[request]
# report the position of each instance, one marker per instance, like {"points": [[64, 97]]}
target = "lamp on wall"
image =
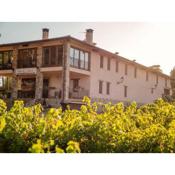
{"points": [[121, 80]]}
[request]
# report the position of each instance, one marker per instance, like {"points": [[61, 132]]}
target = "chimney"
{"points": [[89, 36], [45, 33]]}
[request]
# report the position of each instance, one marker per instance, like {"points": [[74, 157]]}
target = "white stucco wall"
{"points": [[85, 83], [139, 89]]}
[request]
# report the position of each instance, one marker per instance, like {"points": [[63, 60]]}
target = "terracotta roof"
{"points": [[122, 58], [35, 41], [68, 37]]}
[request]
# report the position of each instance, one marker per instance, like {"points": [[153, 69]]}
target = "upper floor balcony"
{"points": [[52, 56], [6, 60], [79, 59], [27, 58], [51, 59], [7, 66]]}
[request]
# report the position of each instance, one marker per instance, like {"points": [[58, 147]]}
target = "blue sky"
{"points": [[147, 43]]}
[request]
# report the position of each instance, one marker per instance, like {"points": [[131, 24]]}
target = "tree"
{"points": [[156, 68], [172, 80]]}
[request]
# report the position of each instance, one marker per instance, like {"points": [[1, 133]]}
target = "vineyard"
{"points": [[117, 129]]}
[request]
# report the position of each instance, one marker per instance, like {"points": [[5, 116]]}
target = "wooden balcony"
{"points": [[6, 66]]}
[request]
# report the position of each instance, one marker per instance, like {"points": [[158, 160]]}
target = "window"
{"points": [[27, 58], [147, 76], [27, 89], [108, 88], [60, 55], [101, 61], [53, 55], [126, 69], [125, 91], [166, 82], [79, 59], [117, 66], [157, 79], [75, 84], [45, 88], [46, 56], [6, 59], [109, 64], [71, 56], [135, 72], [100, 87], [76, 58]]}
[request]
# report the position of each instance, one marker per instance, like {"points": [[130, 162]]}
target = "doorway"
{"points": [[45, 88]]}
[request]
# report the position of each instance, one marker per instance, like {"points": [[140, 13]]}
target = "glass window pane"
{"points": [[71, 56], [101, 61], [76, 58], [100, 87], [76, 62], [26, 58], [79, 59], [6, 57], [71, 61], [46, 56], [109, 64], [76, 53], [82, 60], [10, 57], [71, 52], [60, 55], [53, 55]]}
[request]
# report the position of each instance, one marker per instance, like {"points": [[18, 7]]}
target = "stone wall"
{"points": [[39, 75], [14, 76], [66, 73], [39, 85]]}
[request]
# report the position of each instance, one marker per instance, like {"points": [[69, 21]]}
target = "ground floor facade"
{"points": [[46, 85]]}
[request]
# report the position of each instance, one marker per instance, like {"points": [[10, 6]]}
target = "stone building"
{"points": [[66, 69]]}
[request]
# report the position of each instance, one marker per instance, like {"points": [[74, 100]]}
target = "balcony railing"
{"points": [[78, 93], [5, 66], [25, 64], [52, 65], [26, 94], [4, 94]]}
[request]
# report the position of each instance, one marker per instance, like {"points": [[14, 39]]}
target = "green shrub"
{"points": [[149, 128]]}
